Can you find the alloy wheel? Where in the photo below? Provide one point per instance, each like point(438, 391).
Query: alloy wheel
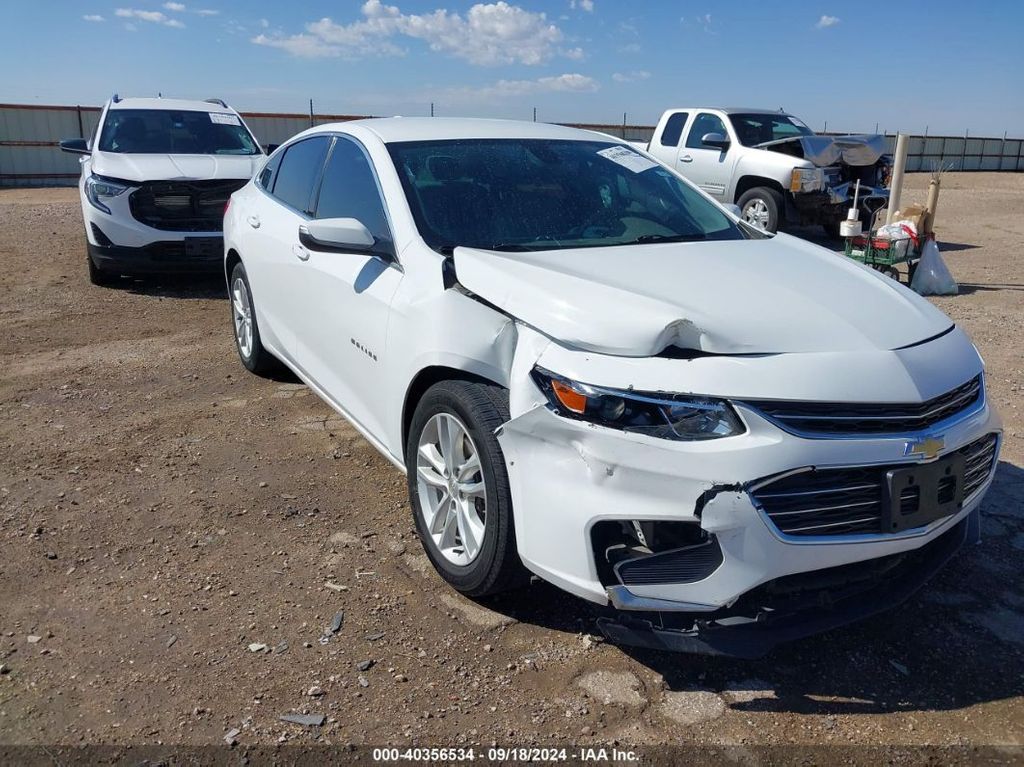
point(451, 488)
point(755, 212)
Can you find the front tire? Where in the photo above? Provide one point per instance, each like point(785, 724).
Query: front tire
point(251, 351)
point(99, 276)
point(459, 488)
point(762, 207)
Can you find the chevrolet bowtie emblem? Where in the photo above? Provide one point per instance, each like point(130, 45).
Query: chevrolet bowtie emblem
point(928, 447)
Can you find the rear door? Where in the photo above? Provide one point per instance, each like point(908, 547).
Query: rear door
point(708, 167)
point(272, 226)
point(341, 328)
point(666, 143)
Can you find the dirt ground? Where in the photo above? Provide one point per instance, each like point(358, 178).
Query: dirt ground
point(176, 534)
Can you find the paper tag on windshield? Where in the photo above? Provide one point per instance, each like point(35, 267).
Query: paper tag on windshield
point(223, 119)
point(627, 158)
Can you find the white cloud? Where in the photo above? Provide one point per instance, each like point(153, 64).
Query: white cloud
point(93, 17)
point(174, 6)
point(827, 21)
point(630, 77)
point(264, 24)
point(583, 5)
point(208, 12)
point(488, 34)
point(154, 17)
point(505, 89)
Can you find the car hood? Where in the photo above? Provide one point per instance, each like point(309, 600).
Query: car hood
point(721, 297)
point(166, 167)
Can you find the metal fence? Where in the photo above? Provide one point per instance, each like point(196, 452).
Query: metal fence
point(30, 155)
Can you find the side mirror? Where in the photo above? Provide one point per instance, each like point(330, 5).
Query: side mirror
point(335, 235)
point(733, 208)
point(271, 148)
point(75, 146)
point(716, 140)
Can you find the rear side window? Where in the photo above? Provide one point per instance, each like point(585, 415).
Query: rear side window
point(704, 124)
point(299, 171)
point(349, 190)
point(674, 129)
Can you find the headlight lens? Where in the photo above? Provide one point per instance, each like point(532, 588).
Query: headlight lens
point(682, 418)
point(807, 180)
point(97, 188)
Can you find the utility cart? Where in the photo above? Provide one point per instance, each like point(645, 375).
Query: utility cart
point(884, 253)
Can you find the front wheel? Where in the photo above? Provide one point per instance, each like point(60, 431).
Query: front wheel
point(459, 487)
point(762, 207)
point(99, 276)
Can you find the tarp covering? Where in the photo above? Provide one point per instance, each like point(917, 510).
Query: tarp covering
point(828, 150)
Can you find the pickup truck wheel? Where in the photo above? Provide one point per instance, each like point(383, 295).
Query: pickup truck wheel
point(459, 487)
point(762, 207)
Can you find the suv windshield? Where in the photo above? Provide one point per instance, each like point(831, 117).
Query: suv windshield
point(754, 129)
point(540, 194)
point(175, 131)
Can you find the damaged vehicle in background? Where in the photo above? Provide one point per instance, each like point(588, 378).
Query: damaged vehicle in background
point(773, 166)
point(155, 179)
point(591, 371)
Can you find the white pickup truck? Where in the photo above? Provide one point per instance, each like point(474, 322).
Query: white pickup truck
point(773, 166)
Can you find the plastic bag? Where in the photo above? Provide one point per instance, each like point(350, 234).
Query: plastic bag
point(932, 277)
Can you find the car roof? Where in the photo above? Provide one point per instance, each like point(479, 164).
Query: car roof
point(733, 110)
point(397, 129)
point(184, 105)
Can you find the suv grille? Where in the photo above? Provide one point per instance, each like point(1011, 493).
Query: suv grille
point(832, 418)
point(183, 206)
point(849, 501)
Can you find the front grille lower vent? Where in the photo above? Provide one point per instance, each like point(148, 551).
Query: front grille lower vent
point(183, 206)
point(849, 501)
point(832, 418)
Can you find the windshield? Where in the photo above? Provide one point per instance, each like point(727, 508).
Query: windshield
point(171, 131)
point(539, 194)
point(756, 129)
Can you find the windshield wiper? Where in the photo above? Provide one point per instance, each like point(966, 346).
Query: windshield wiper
point(647, 239)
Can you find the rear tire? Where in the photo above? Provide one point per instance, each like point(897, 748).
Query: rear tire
point(762, 207)
point(251, 351)
point(450, 528)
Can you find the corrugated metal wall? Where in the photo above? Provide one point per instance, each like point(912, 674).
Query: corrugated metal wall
point(29, 155)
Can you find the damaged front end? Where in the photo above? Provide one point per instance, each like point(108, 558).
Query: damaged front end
point(825, 193)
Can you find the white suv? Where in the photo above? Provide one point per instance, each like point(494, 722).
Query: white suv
point(587, 366)
point(155, 180)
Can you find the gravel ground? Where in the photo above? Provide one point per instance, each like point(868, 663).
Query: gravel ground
point(177, 538)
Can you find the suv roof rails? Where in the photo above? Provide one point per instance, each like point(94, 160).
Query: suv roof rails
point(217, 101)
point(116, 98)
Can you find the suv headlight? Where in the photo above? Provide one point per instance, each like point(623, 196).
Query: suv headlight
point(98, 188)
point(807, 180)
point(680, 418)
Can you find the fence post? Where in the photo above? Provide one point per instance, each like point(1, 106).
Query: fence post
point(81, 130)
point(311, 113)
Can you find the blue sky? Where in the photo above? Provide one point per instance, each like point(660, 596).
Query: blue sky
point(952, 69)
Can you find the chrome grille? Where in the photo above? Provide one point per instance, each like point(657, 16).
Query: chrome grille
point(836, 418)
point(848, 501)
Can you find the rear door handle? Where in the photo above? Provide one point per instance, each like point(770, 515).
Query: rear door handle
point(300, 252)
point(254, 221)
point(686, 158)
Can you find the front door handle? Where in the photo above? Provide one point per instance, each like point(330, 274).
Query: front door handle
point(300, 253)
point(686, 158)
point(254, 221)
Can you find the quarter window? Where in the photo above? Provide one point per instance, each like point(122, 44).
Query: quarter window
point(674, 129)
point(266, 177)
point(703, 124)
point(349, 190)
point(299, 170)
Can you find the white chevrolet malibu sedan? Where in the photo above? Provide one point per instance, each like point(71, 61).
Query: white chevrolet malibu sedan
point(591, 371)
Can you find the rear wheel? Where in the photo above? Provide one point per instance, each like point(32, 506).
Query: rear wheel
point(762, 207)
point(459, 488)
point(247, 332)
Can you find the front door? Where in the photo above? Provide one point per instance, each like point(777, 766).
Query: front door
point(708, 167)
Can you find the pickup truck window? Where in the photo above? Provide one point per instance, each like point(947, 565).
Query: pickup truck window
point(704, 124)
point(754, 129)
point(674, 129)
point(545, 194)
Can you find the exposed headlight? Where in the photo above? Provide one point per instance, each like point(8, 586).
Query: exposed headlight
point(807, 180)
point(681, 418)
point(98, 188)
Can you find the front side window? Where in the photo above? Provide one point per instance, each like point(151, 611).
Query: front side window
point(175, 131)
point(754, 129)
point(704, 124)
point(299, 171)
point(538, 194)
point(349, 190)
